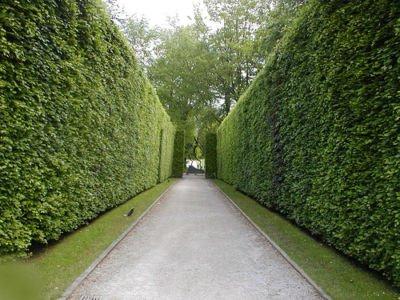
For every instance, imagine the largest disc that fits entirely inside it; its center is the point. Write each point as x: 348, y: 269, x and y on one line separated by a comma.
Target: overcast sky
x: 157, y: 11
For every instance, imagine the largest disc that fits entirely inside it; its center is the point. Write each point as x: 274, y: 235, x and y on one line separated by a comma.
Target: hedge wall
x: 166, y: 151
x: 178, y: 163
x: 80, y: 124
x: 316, y: 136
x: 211, y: 155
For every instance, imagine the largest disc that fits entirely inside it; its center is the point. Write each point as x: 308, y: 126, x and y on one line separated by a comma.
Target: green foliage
x: 179, y: 154
x: 79, y: 122
x: 181, y: 73
x: 199, y: 72
x: 237, y: 55
x: 211, y: 155
x: 316, y: 136
x: 58, y: 266
x: 277, y: 23
x: 339, y: 277
x: 166, y: 152
x: 142, y: 37
x: 178, y: 65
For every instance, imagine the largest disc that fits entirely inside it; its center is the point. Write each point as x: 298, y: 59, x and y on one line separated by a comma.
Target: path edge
x: 78, y: 281
x: 279, y: 249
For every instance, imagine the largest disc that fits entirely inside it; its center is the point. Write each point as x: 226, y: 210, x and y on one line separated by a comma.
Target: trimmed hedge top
x: 316, y: 136
x: 80, y: 124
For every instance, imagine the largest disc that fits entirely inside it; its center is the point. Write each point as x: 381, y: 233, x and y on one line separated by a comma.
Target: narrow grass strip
x: 59, y: 264
x: 339, y: 277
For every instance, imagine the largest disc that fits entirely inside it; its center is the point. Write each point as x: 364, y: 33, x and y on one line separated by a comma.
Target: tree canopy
x: 201, y: 69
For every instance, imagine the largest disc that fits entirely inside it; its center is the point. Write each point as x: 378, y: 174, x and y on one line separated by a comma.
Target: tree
x: 275, y: 25
x: 200, y: 70
x: 143, y: 38
x: 115, y: 11
x: 181, y: 74
x: 231, y: 36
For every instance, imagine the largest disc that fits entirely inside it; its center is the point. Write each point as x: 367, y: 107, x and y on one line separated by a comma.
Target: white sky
x: 157, y: 11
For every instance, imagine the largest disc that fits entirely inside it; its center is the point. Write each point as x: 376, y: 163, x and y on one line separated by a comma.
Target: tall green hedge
x: 179, y: 154
x: 317, y: 135
x: 211, y: 155
x: 79, y: 122
x: 166, y: 152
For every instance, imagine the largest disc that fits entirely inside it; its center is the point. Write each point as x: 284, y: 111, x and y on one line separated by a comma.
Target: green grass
x: 339, y: 277
x: 56, y: 266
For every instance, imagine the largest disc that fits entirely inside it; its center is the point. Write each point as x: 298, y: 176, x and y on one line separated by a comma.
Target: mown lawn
x: 335, y: 274
x: 56, y: 266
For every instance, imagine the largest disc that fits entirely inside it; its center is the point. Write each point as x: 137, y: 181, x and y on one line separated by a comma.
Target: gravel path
x: 194, y: 244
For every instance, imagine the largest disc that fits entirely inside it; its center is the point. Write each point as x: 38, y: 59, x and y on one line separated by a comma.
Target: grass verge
x: 337, y: 275
x: 56, y: 266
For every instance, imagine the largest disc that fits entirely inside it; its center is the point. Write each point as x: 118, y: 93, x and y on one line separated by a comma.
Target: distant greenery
x: 316, y: 136
x: 80, y: 124
x: 178, y: 73
x: 200, y: 71
x: 211, y: 155
x: 56, y: 266
x: 334, y: 273
x: 179, y: 163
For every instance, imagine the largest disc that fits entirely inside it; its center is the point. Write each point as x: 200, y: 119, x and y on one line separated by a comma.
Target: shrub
x: 179, y: 154
x: 79, y: 122
x: 166, y: 152
x: 316, y: 136
x: 211, y: 155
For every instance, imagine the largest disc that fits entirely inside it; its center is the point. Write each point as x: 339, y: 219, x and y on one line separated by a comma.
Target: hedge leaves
x: 179, y: 163
x: 80, y: 125
x: 316, y: 136
x: 211, y: 155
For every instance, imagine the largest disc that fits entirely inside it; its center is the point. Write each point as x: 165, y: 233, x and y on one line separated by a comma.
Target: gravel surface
x: 194, y: 244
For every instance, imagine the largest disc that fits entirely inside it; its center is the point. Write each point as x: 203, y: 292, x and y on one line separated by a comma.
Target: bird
x: 130, y: 212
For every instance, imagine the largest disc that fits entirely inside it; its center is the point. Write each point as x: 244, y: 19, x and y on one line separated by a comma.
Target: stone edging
x: 70, y: 290
x: 279, y: 249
